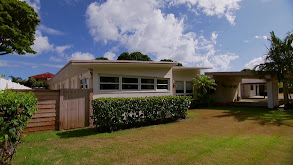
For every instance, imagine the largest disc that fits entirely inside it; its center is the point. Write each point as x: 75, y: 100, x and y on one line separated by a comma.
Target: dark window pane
x: 162, y: 81
x: 129, y: 86
x: 179, y: 91
x: 129, y: 80
x: 147, y: 81
x: 109, y: 79
x: 162, y: 86
x: 188, y: 91
x: 109, y: 86
x: 147, y: 87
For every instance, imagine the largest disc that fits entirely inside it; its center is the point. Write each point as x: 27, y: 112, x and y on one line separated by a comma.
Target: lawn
x: 223, y: 135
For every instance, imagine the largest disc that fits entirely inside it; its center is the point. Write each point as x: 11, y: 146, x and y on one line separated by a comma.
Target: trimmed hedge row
x: 111, y: 114
x: 15, y: 111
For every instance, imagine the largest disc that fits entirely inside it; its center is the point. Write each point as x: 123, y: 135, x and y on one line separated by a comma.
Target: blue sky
x: 228, y: 35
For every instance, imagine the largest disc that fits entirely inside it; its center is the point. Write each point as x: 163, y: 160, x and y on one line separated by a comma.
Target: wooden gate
x: 75, y: 108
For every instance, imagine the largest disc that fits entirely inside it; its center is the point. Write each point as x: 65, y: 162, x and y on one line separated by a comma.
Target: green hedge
x: 115, y: 113
x: 15, y: 111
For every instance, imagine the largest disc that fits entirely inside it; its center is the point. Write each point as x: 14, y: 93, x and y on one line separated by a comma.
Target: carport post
x: 272, y: 91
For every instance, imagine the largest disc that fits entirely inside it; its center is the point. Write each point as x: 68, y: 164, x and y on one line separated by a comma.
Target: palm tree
x: 279, y: 62
x: 204, y: 87
x: 204, y: 84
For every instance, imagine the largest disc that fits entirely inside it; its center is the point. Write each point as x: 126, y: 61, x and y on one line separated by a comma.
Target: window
x: 162, y: 84
x: 133, y: 83
x: 189, y: 87
x: 81, y: 83
x: 129, y: 83
x: 180, y: 87
x: 109, y: 83
x: 251, y: 87
x: 85, y: 85
x: 147, y: 84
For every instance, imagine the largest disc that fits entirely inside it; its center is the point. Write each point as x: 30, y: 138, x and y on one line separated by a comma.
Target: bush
x: 111, y: 114
x: 15, y: 111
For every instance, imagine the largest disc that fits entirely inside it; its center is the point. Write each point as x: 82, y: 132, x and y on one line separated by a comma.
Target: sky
x: 228, y: 35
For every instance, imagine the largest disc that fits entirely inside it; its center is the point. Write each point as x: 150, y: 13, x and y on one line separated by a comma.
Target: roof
x: 245, y: 74
x: 75, y: 66
x: 44, y: 75
x: 189, y: 68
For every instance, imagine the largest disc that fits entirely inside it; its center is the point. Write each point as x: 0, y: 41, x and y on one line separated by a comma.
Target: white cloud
x: 110, y: 55
x: 214, y: 37
x: 55, y: 59
x: 218, y: 8
x: 141, y: 26
x: 81, y: 56
x: 41, y: 43
x: 251, y: 64
x: 3, y: 64
x: 49, y: 30
x: 261, y: 37
x: 60, y: 49
x: 34, y: 3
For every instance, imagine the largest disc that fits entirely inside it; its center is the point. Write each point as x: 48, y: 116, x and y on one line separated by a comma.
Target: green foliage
x: 18, y: 23
x: 102, y: 58
x: 246, y: 69
x: 32, y: 82
x: 169, y: 60
x: 137, y: 56
x: 15, y: 111
x: 115, y: 113
x: 279, y: 60
x: 205, y: 86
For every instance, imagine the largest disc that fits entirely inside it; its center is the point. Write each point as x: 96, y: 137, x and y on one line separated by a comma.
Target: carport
x: 229, y: 89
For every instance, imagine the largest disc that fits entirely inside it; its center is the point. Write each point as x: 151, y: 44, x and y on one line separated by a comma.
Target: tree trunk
x: 285, y: 92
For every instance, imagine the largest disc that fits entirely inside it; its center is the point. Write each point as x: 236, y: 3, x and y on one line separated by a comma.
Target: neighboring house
x: 119, y: 78
x: 8, y: 84
x: 252, y: 87
x: 45, y: 77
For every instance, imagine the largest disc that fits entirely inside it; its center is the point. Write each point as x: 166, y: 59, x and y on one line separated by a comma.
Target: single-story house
x: 229, y: 89
x: 252, y: 87
x: 119, y: 78
x: 45, y: 77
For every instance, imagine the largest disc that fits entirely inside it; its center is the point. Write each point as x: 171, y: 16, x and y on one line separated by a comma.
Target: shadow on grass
x: 262, y: 115
x: 81, y: 132
x: 77, y: 133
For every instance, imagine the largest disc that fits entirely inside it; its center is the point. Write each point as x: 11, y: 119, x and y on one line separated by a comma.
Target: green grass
x: 223, y: 135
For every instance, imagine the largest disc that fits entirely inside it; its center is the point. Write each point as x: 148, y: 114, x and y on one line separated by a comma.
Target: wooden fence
x: 75, y: 108
x: 61, y: 109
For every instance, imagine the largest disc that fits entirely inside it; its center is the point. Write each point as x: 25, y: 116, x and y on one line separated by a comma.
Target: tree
x: 18, y: 22
x: 279, y: 62
x: 102, y: 58
x: 169, y: 60
x: 205, y: 86
x: 137, y: 56
x: 16, y: 79
x: 246, y: 69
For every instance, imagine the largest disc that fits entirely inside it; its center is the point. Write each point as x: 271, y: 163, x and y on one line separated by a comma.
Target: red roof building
x: 43, y: 77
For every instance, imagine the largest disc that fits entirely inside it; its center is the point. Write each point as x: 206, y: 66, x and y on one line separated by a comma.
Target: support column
x: 272, y: 91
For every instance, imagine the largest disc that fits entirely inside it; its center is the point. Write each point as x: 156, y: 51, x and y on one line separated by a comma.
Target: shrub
x: 15, y: 111
x: 111, y: 114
